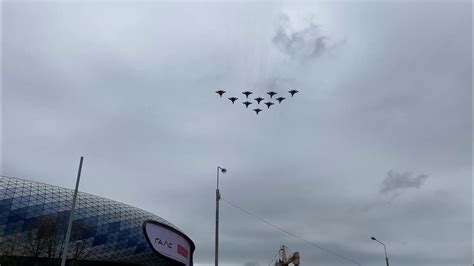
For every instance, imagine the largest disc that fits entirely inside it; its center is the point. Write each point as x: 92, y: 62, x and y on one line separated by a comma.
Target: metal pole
x: 218, y: 196
x: 386, y: 257
x: 384, y: 248
x: 71, y: 215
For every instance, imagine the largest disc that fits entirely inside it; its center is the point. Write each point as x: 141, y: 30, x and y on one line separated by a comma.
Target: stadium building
x: 33, y: 222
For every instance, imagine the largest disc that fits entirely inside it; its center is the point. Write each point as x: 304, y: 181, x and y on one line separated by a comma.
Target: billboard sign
x: 169, y: 242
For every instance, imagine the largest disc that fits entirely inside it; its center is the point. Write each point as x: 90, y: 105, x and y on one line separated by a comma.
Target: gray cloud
x: 252, y: 263
x: 305, y: 44
x: 396, y: 182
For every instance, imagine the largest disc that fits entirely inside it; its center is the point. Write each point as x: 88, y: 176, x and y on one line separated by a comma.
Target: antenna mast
x: 284, y: 261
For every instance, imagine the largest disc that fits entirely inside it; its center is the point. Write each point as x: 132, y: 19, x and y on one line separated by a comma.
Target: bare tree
x: 45, y: 239
x: 53, y: 240
x: 79, y: 241
x: 8, y: 250
x: 79, y: 234
x: 39, y: 240
x: 7, y: 247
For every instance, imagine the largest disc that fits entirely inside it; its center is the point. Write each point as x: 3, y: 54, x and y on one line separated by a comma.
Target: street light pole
x: 218, y: 197
x: 384, y: 247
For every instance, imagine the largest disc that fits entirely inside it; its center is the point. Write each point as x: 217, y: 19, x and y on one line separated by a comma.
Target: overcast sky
x: 376, y: 143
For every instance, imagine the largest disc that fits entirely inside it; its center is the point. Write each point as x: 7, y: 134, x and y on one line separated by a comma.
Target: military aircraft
x: 247, y: 103
x: 280, y: 99
x: 268, y: 104
x: 257, y: 111
x: 247, y: 93
x: 293, y: 92
x: 259, y: 99
x: 220, y: 92
x: 233, y: 99
x: 271, y: 93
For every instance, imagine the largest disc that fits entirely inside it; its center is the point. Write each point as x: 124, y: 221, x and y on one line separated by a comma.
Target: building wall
x: 33, y: 222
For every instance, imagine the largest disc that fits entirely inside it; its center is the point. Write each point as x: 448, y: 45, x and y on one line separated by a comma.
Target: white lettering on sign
x: 169, y: 243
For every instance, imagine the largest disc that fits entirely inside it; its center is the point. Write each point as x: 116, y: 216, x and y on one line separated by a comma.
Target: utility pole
x: 218, y: 197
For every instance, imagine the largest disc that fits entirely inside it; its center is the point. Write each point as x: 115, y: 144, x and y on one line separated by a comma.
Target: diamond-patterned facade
x: 34, y: 216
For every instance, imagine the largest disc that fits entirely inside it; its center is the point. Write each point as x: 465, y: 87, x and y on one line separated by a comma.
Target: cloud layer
x: 130, y: 86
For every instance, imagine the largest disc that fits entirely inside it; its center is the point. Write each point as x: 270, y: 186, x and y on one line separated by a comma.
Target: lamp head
x: 373, y: 238
x: 223, y: 170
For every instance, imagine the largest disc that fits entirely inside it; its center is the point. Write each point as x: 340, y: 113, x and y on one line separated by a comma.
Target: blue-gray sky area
x: 376, y: 143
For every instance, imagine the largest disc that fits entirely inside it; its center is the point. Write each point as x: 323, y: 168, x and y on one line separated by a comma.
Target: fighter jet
x: 271, y: 93
x: 233, y: 99
x: 268, y: 104
x: 247, y: 103
x: 259, y: 99
x: 257, y: 111
x: 279, y: 99
x: 247, y: 93
x: 220, y: 92
x: 293, y: 92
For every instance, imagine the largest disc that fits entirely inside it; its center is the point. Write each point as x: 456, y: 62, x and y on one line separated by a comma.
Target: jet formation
x: 247, y: 102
